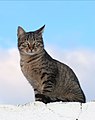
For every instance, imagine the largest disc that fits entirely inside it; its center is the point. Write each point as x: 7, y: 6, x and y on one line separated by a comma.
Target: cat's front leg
x: 48, y: 86
x: 45, y: 95
x: 49, y: 82
x: 41, y: 97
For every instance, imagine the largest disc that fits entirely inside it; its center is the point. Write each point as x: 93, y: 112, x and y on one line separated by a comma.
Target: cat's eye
x: 37, y: 44
x: 25, y: 45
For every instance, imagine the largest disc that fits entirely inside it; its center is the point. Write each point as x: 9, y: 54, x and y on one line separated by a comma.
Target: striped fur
x: 52, y: 80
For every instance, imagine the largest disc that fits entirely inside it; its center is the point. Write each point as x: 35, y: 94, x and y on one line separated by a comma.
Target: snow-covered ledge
x: 51, y: 111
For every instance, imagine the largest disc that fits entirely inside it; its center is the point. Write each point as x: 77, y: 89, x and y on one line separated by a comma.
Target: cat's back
x: 65, y: 72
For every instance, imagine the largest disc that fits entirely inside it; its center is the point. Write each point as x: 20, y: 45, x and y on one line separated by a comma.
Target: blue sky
x: 68, y: 24
x: 69, y: 36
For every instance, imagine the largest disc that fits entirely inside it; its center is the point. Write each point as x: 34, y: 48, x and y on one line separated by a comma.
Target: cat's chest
x: 32, y: 72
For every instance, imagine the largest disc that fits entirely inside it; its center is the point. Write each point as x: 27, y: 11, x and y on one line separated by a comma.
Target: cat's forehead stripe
x: 30, y: 34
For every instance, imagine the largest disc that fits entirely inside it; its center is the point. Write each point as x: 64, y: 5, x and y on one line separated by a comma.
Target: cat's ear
x: 40, y: 30
x: 20, y: 31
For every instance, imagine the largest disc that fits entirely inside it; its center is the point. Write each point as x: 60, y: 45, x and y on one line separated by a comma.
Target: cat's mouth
x: 31, y: 51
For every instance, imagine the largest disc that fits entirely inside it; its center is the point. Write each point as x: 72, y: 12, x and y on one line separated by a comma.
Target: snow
x: 51, y: 111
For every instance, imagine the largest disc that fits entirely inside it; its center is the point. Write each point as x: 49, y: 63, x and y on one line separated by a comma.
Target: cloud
x: 15, y: 89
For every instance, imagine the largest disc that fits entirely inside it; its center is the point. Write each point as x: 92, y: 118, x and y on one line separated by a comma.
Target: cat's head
x: 30, y: 43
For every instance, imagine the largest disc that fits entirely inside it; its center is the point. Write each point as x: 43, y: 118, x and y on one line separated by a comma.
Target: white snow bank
x: 52, y: 111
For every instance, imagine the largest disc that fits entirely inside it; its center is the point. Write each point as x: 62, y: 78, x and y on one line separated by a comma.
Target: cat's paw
x: 43, y: 98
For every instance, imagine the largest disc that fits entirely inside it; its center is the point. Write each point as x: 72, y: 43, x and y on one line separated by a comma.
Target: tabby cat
x: 52, y: 80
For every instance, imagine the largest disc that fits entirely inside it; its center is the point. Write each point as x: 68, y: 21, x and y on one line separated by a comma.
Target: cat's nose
x: 30, y: 47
